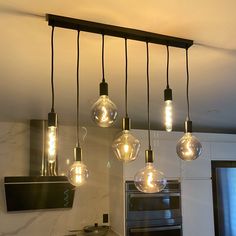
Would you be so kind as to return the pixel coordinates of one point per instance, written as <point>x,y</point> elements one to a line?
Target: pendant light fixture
<point>126,146</point>
<point>149,179</point>
<point>104,111</point>
<point>52,116</point>
<point>168,98</point>
<point>188,147</point>
<point>78,172</point>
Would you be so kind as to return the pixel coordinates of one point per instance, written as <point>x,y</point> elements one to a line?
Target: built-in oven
<point>174,230</point>
<point>149,213</point>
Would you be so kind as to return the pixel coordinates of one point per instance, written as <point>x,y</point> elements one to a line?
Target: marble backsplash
<point>91,200</point>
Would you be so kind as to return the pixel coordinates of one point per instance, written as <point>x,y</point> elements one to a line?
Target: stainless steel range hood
<point>42,189</point>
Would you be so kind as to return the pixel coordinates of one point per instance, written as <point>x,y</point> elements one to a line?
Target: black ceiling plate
<point>116,31</point>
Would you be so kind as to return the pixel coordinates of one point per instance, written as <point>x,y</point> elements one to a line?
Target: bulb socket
<point>126,123</point>
<point>52,119</point>
<point>148,156</point>
<point>78,154</point>
<point>168,94</point>
<point>103,88</point>
<point>188,124</point>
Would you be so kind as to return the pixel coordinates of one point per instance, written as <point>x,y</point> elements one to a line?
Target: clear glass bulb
<point>149,179</point>
<point>188,147</point>
<point>78,173</point>
<point>168,115</point>
<point>52,144</point>
<point>126,146</point>
<point>104,111</point>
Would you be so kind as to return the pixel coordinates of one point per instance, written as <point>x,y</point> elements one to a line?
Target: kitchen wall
<point>91,200</point>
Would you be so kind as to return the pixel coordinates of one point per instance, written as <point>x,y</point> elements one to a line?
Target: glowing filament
<point>52,144</point>
<point>150,179</point>
<point>126,148</point>
<point>104,114</point>
<point>168,115</point>
<point>189,151</point>
<point>78,175</point>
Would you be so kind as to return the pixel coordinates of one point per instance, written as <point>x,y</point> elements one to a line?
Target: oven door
<point>145,206</point>
<point>174,230</point>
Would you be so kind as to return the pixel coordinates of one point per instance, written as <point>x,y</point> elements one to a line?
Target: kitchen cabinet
<point>166,158</point>
<point>223,151</point>
<point>197,208</point>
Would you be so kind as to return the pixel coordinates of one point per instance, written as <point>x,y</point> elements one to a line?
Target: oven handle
<point>137,195</point>
<point>151,229</point>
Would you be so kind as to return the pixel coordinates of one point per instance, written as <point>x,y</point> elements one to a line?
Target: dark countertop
<point>110,233</point>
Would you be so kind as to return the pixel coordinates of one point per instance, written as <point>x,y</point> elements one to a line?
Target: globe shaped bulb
<point>104,111</point>
<point>188,147</point>
<point>149,179</point>
<point>126,146</point>
<point>78,173</point>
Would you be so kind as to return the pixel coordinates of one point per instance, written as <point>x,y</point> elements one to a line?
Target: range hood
<point>38,190</point>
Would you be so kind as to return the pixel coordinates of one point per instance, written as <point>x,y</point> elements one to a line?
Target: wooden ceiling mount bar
<point>116,31</point>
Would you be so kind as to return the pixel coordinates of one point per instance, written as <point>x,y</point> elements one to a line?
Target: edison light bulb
<point>168,115</point>
<point>104,111</point>
<point>126,146</point>
<point>78,173</point>
<point>52,144</point>
<point>188,147</point>
<point>149,179</point>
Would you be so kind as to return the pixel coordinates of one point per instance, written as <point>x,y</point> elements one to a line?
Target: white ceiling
<point>25,60</point>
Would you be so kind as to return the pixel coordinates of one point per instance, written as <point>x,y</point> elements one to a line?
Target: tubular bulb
<point>52,144</point>
<point>168,115</point>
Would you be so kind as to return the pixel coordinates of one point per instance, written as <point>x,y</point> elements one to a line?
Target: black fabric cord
<point>167,67</point>
<point>52,67</point>
<point>126,79</point>
<point>103,73</point>
<point>77,89</point>
<point>187,86</point>
<point>148,98</point>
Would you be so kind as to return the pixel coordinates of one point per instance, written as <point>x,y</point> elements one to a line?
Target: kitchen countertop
<point>110,233</point>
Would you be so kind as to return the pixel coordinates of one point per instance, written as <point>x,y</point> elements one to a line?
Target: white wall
<point>91,200</point>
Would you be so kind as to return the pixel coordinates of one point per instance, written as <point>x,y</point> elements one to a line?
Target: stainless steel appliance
<point>154,214</point>
<point>38,192</point>
<point>42,189</point>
